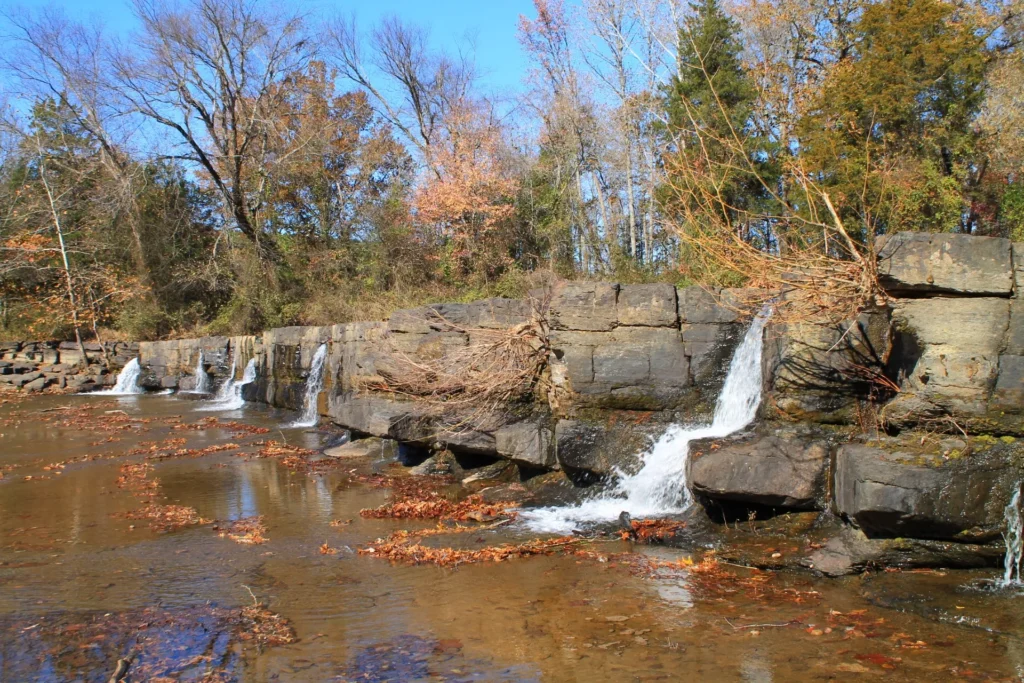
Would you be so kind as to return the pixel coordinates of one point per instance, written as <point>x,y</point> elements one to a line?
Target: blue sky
<point>491,24</point>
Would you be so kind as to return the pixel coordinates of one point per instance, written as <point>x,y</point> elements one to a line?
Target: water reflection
<point>67,552</point>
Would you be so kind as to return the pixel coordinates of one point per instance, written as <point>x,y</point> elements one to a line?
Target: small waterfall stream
<point>202,385</point>
<point>314,385</point>
<point>127,381</point>
<point>1014,562</point>
<point>660,486</point>
<point>229,395</point>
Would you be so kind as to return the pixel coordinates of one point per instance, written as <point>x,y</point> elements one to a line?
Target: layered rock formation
<point>899,428</point>
<point>35,366</point>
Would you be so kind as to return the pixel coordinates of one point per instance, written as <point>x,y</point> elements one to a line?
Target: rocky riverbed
<point>225,546</point>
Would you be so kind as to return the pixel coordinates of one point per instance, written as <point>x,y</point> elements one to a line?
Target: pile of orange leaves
<point>652,530</point>
<point>398,547</point>
<point>167,517</point>
<point>247,530</point>
<point>472,508</point>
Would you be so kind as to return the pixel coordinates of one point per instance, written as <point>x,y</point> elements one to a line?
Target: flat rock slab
<point>364,448</point>
<point>961,264</point>
<point>851,552</point>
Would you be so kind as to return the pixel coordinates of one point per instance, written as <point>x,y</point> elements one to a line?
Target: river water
<point>81,585</point>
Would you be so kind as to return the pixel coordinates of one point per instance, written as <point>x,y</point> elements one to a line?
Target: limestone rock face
<point>894,492</point>
<point>699,305</point>
<point>495,313</point>
<point>948,356</point>
<point>784,471</point>
<point>652,305</point>
<point>960,264</point>
<point>167,364</point>
<point>584,306</point>
<point>286,360</point>
<point>639,368</point>
<point>817,372</point>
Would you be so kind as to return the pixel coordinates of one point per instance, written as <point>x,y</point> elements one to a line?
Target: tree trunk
<point>72,301</point>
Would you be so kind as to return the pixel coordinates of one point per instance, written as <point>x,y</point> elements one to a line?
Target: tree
<point>210,74</point>
<point>55,58</point>
<point>53,242</point>
<point>892,131</point>
<point>431,86</point>
<point>713,149</point>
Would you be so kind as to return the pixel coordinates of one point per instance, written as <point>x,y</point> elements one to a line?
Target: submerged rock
<point>852,552</point>
<point>501,471</point>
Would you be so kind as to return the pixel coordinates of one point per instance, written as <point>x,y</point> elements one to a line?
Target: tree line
<point>231,166</point>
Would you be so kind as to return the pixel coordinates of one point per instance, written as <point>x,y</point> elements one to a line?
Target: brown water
<point>81,585</point>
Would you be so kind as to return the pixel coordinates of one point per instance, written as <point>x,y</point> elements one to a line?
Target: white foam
<point>314,385</point>
<point>127,381</point>
<point>202,383</point>
<point>660,488</point>
<point>229,396</point>
<point>1014,562</point>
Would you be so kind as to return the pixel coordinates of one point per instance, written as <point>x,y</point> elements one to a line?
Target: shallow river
<point>83,583</point>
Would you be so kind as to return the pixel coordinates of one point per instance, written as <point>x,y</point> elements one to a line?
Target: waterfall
<point>314,385</point>
<point>127,381</point>
<point>229,396</point>
<point>660,486</point>
<point>227,388</point>
<point>202,385</point>
<point>1014,562</point>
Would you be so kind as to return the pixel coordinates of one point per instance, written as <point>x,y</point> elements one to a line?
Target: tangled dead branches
<point>493,368</point>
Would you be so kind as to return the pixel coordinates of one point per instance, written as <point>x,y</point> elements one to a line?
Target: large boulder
<point>850,552</point>
<point>526,443</point>
<point>592,449</point>
<point>960,264</point>
<point>899,491</point>
<point>368,414</point>
<point>784,470</point>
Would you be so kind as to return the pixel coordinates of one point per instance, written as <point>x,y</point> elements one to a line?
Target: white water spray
<point>229,396</point>
<point>202,385</point>
<point>314,385</point>
<point>660,487</point>
<point>127,381</point>
<point>1014,562</point>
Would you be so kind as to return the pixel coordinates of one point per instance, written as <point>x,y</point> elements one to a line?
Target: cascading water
<point>202,385</point>
<point>229,396</point>
<point>127,381</point>
<point>314,385</point>
<point>1014,562</point>
<point>660,487</point>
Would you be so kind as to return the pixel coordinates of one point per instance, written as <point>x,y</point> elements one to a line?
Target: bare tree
<point>56,58</point>
<point>210,72</point>
<point>415,89</point>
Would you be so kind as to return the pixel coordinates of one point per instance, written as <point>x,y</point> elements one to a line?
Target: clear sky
<point>491,24</point>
